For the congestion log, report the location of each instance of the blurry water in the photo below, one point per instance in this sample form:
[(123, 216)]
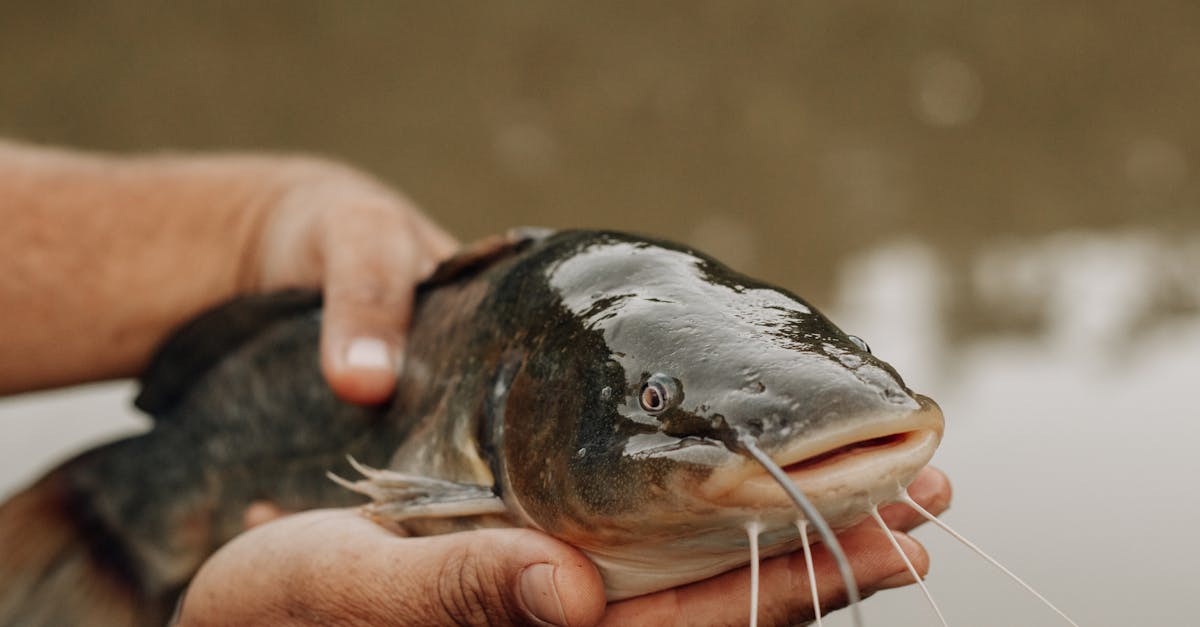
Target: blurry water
[(39, 430), (784, 138), (1073, 446), (1072, 432)]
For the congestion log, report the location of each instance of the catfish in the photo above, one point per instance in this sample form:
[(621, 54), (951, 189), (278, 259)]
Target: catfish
[(632, 397)]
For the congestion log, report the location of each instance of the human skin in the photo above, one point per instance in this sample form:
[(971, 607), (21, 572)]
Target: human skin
[(105, 255), (297, 571)]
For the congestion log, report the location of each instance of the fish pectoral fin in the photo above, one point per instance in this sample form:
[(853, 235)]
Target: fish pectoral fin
[(398, 511), (399, 496)]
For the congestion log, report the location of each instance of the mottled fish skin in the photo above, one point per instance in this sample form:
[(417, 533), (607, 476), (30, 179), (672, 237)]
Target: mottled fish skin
[(241, 413), (586, 318), (524, 363)]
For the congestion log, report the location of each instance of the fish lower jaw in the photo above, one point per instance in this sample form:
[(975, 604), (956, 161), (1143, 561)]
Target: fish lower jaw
[(635, 570), (846, 481)]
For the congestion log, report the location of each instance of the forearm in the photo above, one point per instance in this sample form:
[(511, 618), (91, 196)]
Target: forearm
[(103, 256)]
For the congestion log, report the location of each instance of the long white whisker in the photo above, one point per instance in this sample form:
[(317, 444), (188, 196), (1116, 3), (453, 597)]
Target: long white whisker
[(853, 598), (753, 528), (908, 500), (802, 525), (908, 563)]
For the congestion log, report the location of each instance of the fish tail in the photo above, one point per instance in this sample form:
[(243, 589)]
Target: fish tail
[(51, 571)]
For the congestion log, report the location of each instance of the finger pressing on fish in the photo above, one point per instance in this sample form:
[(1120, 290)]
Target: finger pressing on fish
[(671, 418)]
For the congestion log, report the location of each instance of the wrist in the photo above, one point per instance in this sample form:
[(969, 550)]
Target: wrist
[(106, 255)]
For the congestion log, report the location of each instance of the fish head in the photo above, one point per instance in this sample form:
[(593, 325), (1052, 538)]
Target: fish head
[(680, 362)]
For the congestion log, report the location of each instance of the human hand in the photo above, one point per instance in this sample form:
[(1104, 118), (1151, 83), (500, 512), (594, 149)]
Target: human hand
[(106, 255), (367, 247), (334, 567), (784, 593)]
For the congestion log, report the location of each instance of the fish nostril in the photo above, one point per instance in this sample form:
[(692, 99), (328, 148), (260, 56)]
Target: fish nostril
[(888, 386), (754, 387), (850, 360), (896, 395)]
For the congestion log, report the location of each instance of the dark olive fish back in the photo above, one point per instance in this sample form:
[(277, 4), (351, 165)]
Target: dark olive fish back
[(148, 510), (241, 413), (517, 405)]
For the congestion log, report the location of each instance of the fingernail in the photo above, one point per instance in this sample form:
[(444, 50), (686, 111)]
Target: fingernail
[(537, 592), (369, 353)]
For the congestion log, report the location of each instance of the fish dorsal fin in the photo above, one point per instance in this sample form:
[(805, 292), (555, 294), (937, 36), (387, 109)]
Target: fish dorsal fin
[(484, 252), (201, 343)]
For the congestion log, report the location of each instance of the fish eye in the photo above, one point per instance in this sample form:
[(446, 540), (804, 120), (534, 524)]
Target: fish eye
[(858, 341), (658, 393)]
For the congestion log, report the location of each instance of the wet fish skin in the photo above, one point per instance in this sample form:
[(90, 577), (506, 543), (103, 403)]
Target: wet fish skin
[(241, 413), (598, 315), (149, 510), (523, 365)]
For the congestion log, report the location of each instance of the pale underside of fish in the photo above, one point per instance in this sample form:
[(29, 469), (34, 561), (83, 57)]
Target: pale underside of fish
[(671, 418)]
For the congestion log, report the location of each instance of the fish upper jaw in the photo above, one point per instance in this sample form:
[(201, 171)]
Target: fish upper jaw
[(844, 472)]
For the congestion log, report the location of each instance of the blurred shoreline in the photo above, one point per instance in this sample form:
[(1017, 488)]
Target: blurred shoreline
[(1091, 410), (1003, 199)]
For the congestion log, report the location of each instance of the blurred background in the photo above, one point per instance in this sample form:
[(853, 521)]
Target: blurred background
[(1003, 199)]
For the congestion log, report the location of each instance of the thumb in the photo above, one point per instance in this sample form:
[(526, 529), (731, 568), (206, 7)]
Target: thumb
[(506, 575), (335, 567)]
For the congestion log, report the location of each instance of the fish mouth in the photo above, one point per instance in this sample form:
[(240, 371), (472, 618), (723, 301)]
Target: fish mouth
[(847, 456), (841, 470)]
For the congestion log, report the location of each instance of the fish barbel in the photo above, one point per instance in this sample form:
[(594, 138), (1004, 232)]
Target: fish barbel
[(632, 397)]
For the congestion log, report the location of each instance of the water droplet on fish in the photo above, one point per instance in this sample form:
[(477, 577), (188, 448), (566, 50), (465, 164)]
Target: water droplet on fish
[(606, 393), (581, 452)]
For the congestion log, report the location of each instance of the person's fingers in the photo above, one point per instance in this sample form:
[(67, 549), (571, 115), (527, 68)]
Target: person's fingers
[(372, 265), (333, 567), (784, 591), (931, 489), (336, 567), (877, 567), (261, 513), (367, 247)]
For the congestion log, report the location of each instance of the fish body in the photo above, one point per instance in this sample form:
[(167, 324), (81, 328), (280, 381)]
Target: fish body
[(593, 385)]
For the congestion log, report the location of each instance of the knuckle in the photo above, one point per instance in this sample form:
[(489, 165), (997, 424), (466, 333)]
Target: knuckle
[(468, 592), (369, 294), (372, 277), (364, 293), (359, 206)]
